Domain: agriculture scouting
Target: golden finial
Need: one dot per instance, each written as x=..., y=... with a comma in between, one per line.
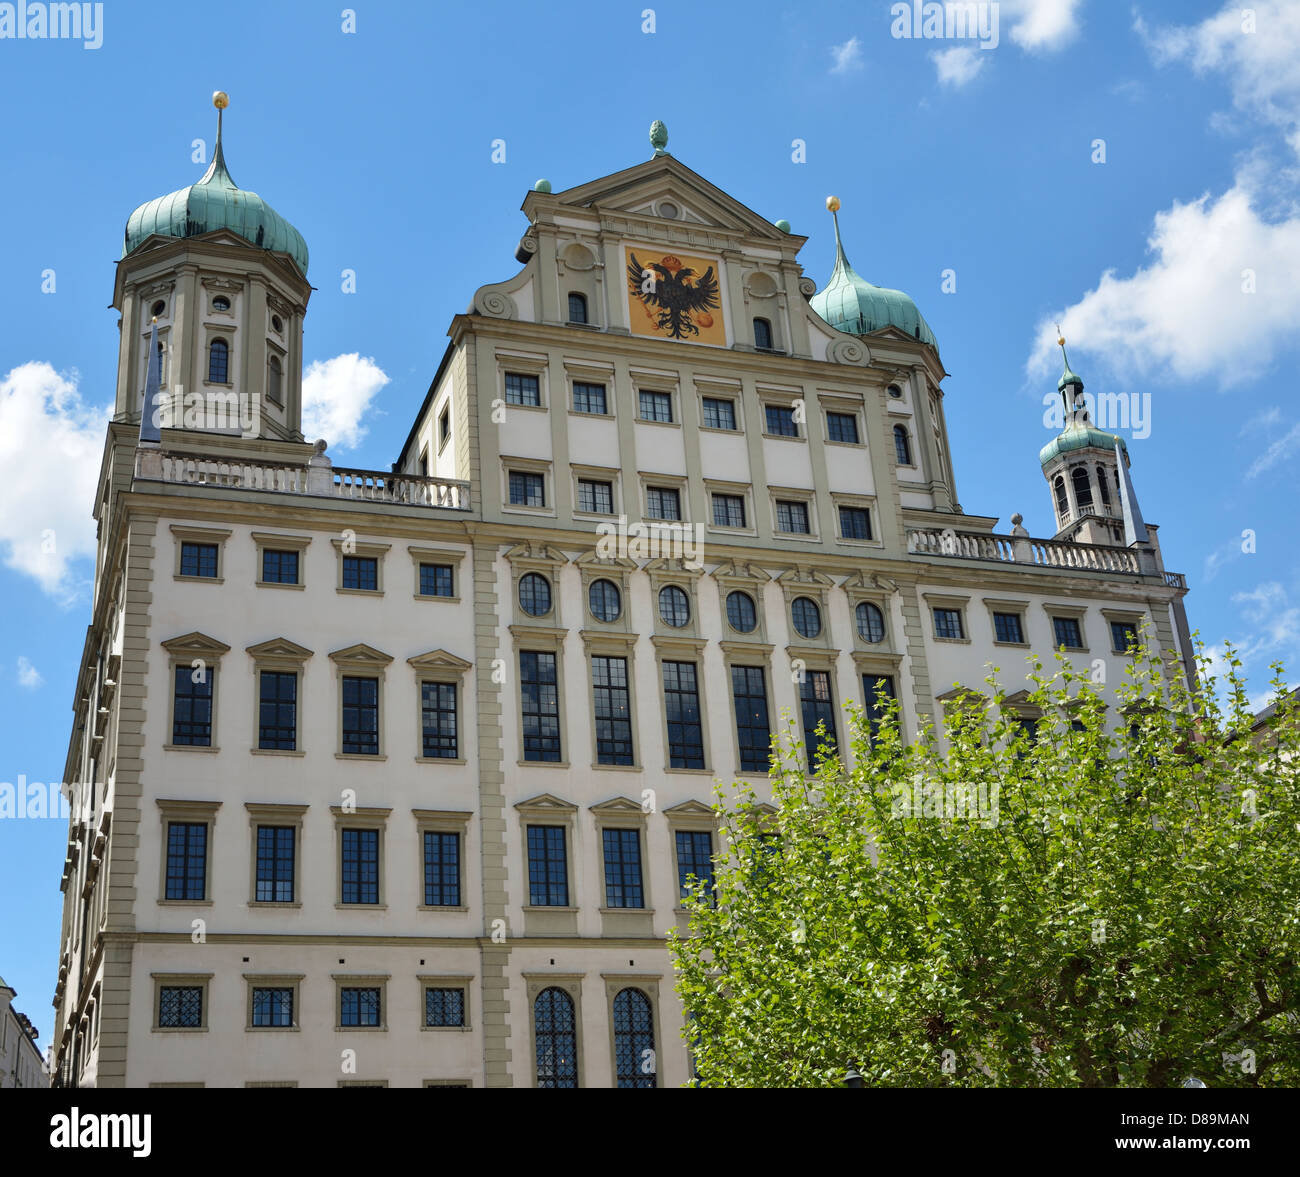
x=833, y=203
x=1060, y=339
x=220, y=99
x=154, y=319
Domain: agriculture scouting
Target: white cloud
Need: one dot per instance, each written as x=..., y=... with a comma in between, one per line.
x=336, y=395
x=1264, y=419
x=1281, y=449
x=1268, y=632
x=51, y=444
x=1224, y=554
x=956, y=67
x=29, y=678
x=1256, y=48
x=848, y=56
x=1045, y=25
x=1187, y=314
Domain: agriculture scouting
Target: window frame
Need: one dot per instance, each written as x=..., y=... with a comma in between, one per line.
x=183, y=652
x=200, y=981
x=1017, y=608
x=571, y=985
x=378, y=981
x=936, y=601
x=268, y=541
x=365, y=551
x=443, y=821
x=281, y=656
x=290, y=981
x=535, y=467
x=463, y=982
x=361, y=818
x=263, y=814
x=848, y=414
x=647, y=984
x=668, y=396
x=185, y=812
x=452, y=557
x=446, y=669
x=186, y=534
x=361, y=661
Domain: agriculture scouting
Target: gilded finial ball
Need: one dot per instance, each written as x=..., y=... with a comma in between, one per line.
x=542, y=186
x=220, y=99
x=833, y=203
x=658, y=136
x=783, y=225
x=1060, y=341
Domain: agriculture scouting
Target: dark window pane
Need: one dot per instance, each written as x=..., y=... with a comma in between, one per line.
x=656, y=406
x=437, y=580
x=718, y=413
x=1006, y=628
x=807, y=617
x=741, y=612
x=277, y=711
x=873, y=686
x=198, y=559
x=556, y=1040
x=947, y=623
x=604, y=600
x=623, y=868
x=534, y=594
x=441, y=869
x=749, y=696
x=187, y=860
x=273, y=1007
x=279, y=567
x=855, y=523
x=596, y=497
x=780, y=421
x=588, y=398
x=361, y=572
x=361, y=715
x=682, y=709
x=577, y=308
x=871, y=623
x=527, y=490
x=438, y=720
x=634, y=1039
x=275, y=864
x=548, y=871
x=360, y=866
x=663, y=502
x=192, y=706
x=1123, y=635
x=359, y=1007
x=842, y=427
x=522, y=389
x=792, y=517
x=444, y=1007
x=180, y=1005
x=613, y=710
x=728, y=510
x=818, y=709
x=674, y=606
x=1068, y=633
x=902, y=446
x=539, y=693
x=218, y=362
x=763, y=334
x=694, y=859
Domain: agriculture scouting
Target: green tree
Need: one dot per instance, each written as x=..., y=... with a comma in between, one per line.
x=1072, y=902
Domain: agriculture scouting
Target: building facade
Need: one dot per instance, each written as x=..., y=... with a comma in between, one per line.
x=395, y=778
x=21, y=1064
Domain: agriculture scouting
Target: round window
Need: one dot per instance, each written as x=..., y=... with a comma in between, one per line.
x=741, y=613
x=276, y=325
x=158, y=309
x=221, y=303
x=807, y=617
x=895, y=391
x=534, y=594
x=674, y=606
x=871, y=623
x=668, y=210
x=604, y=600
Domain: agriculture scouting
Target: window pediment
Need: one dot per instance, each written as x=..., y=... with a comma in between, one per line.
x=195, y=644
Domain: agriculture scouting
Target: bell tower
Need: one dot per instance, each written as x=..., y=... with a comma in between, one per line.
x=223, y=277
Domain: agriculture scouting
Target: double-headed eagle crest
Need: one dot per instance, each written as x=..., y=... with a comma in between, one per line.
x=671, y=291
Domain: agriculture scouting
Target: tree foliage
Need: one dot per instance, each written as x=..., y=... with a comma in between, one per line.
x=1110, y=900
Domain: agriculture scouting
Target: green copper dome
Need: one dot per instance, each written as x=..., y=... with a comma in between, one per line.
x=216, y=203
x=848, y=302
x=1077, y=436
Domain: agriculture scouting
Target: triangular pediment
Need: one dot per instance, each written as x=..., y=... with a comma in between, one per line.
x=594, y=562
x=361, y=655
x=690, y=809
x=438, y=660
x=618, y=805
x=280, y=648
x=547, y=802
x=805, y=575
x=195, y=643
x=640, y=190
x=967, y=696
x=530, y=553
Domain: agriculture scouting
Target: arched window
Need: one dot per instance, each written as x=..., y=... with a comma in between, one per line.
x=674, y=606
x=634, y=1039
x=534, y=594
x=871, y=623
x=902, y=446
x=741, y=612
x=1101, y=484
x=1082, y=491
x=274, y=377
x=807, y=617
x=556, y=1039
x=577, y=307
x=605, y=600
x=762, y=335
x=1062, y=502
x=218, y=361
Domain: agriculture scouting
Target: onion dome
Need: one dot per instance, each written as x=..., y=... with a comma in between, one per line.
x=1079, y=433
x=848, y=302
x=215, y=202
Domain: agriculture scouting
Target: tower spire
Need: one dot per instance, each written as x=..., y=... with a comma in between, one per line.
x=841, y=261
x=217, y=169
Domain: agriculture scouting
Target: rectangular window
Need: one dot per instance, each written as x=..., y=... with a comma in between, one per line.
x=818, y=708
x=277, y=711
x=192, y=707
x=527, y=490
x=719, y=413
x=749, y=696
x=1007, y=628
x=623, y=868
x=656, y=406
x=694, y=859
x=588, y=398
x=437, y=580
x=360, y=866
x=444, y=1007
x=596, y=497
x=780, y=421
x=198, y=559
x=855, y=523
x=728, y=510
x=187, y=860
x=1067, y=632
x=548, y=867
x=424, y=463
x=792, y=517
x=359, y=1006
x=275, y=864
x=947, y=624
x=540, y=698
x=273, y=1007
x=613, y=710
x=441, y=869
x=180, y=1005
x=438, y=720
x=279, y=567
x=874, y=685
x=444, y=426
x=361, y=572
x=360, y=716
x=663, y=502
x=1123, y=634
x=682, y=708
x=842, y=427
x=522, y=389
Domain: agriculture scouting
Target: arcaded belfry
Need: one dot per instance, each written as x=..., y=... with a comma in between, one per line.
x=391, y=777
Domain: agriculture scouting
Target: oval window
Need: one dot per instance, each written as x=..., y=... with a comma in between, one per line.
x=741, y=613
x=534, y=594
x=604, y=600
x=871, y=623
x=674, y=606
x=221, y=303
x=807, y=617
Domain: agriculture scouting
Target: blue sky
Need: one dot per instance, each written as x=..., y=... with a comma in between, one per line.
x=1174, y=265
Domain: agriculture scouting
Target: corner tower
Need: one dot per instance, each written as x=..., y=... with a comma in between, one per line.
x=224, y=277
